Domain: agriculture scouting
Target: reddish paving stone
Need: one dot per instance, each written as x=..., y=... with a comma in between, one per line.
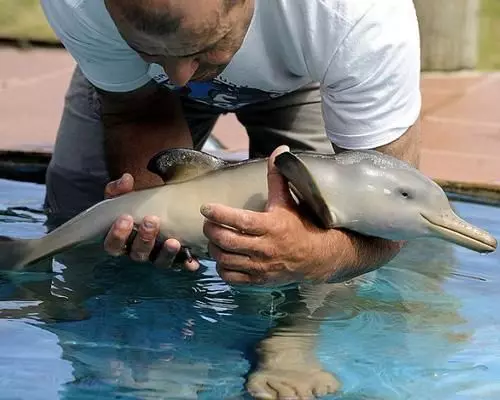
x=31, y=116
x=452, y=82
x=440, y=90
x=32, y=86
x=19, y=66
x=454, y=166
x=230, y=133
x=434, y=99
x=461, y=135
x=480, y=104
x=31, y=97
x=466, y=138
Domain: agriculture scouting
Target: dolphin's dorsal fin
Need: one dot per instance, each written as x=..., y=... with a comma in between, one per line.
x=304, y=187
x=181, y=164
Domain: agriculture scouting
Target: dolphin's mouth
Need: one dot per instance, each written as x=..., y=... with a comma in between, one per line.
x=452, y=228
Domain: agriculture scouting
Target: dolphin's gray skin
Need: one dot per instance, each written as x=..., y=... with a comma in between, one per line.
x=364, y=191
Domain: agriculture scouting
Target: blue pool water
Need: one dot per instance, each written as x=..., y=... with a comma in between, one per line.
x=426, y=326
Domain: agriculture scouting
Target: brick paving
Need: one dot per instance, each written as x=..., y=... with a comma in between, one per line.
x=461, y=115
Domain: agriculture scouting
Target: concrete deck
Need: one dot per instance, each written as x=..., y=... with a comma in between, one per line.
x=461, y=115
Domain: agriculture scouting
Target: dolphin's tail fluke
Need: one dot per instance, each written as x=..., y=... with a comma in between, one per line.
x=15, y=254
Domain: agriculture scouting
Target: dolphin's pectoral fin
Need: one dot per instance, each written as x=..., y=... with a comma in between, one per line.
x=181, y=164
x=304, y=187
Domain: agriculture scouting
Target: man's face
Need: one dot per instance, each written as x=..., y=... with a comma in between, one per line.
x=201, y=47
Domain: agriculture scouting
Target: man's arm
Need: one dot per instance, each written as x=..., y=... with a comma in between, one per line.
x=137, y=125
x=406, y=148
x=139, y=117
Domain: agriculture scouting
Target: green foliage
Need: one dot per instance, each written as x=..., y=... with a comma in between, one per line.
x=489, y=38
x=24, y=20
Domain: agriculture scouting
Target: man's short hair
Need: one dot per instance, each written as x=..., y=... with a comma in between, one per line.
x=156, y=21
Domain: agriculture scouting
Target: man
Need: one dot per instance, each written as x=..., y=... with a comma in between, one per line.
x=316, y=75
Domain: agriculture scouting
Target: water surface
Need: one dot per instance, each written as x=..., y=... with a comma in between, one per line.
x=426, y=326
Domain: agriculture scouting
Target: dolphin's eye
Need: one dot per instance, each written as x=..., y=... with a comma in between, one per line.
x=406, y=194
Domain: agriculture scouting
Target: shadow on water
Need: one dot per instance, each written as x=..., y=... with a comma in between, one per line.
x=107, y=328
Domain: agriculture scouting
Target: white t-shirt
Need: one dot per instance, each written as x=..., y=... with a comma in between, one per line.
x=364, y=53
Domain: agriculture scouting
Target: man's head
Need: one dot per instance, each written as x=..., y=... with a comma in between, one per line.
x=191, y=39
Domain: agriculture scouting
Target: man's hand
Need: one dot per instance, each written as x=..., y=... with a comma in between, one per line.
x=148, y=230
x=272, y=247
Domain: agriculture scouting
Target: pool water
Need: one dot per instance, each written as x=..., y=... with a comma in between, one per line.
x=426, y=326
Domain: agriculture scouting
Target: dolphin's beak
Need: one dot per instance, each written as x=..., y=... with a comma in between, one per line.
x=452, y=228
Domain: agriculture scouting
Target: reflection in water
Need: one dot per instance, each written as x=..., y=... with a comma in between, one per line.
x=104, y=328
x=406, y=326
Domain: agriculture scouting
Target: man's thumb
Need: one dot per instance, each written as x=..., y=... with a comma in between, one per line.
x=277, y=186
x=121, y=186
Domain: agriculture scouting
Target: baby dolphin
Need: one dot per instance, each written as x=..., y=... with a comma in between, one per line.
x=364, y=191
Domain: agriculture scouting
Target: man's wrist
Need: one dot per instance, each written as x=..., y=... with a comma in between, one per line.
x=353, y=254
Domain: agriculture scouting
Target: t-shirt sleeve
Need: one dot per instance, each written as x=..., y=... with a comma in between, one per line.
x=88, y=33
x=371, y=89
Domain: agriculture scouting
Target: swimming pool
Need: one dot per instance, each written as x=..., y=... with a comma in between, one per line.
x=425, y=326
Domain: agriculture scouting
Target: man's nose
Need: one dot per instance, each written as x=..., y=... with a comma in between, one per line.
x=181, y=70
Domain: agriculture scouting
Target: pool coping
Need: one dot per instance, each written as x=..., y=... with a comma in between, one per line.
x=483, y=193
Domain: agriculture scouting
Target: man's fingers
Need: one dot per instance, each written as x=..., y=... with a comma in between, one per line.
x=238, y=268
x=171, y=250
x=117, y=236
x=245, y=221
x=144, y=241
x=237, y=277
x=234, y=277
x=166, y=257
x=232, y=261
x=278, y=191
x=229, y=239
x=121, y=186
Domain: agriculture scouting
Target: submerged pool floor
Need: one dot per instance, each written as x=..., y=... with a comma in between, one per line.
x=426, y=326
